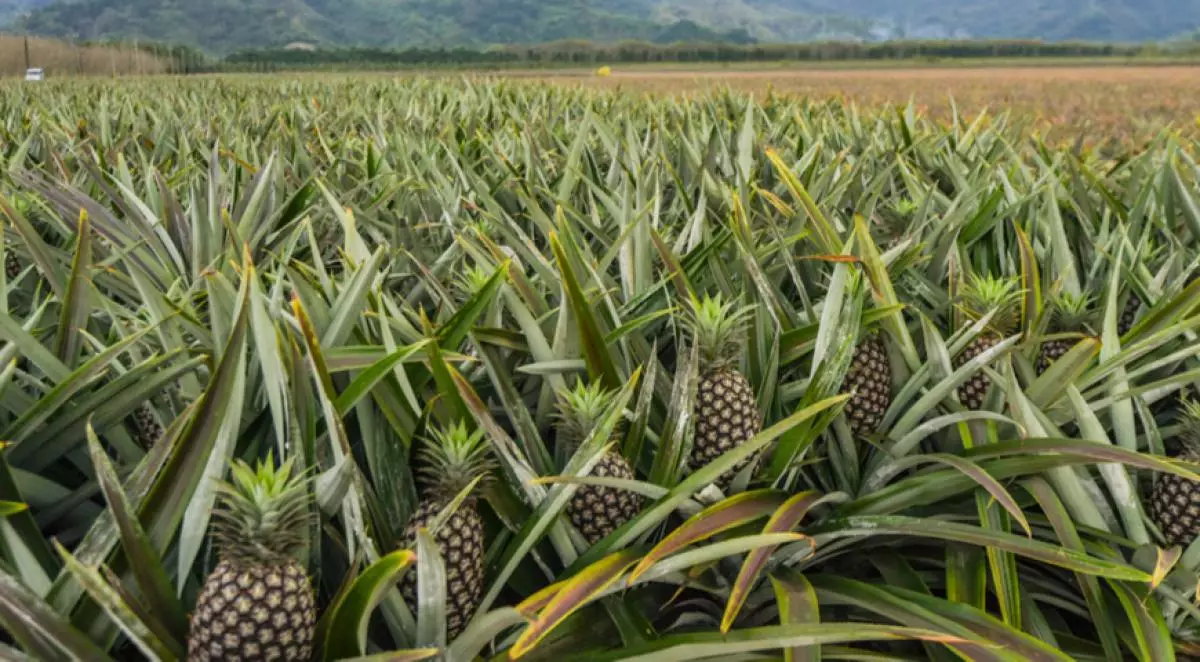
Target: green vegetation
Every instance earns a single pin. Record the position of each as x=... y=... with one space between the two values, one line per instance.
x=631 y=52
x=384 y=334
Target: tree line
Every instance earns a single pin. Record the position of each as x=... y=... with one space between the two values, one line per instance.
x=588 y=53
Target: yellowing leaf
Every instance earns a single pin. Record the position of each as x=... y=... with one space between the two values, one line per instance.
x=727 y=514
x=576 y=592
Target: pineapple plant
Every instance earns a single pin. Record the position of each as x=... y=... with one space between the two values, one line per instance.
x=982 y=295
x=258 y=603
x=1069 y=315
x=1174 y=500
x=870 y=380
x=452 y=458
x=726 y=410
x=595 y=510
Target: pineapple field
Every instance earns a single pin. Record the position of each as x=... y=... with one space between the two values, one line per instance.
x=361 y=368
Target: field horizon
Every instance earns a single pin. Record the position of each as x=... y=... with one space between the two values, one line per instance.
x=657 y=365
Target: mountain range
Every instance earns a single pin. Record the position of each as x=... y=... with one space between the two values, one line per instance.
x=220 y=26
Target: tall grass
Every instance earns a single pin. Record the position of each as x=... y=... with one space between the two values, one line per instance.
x=62 y=58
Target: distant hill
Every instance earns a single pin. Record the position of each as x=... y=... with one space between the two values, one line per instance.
x=1052 y=20
x=223 y=25
x=11 y=10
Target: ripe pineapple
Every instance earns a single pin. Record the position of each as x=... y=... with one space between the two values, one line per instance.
x=1069 y=315
x=726 y=411
x=1174 y=500
x=452 y=459
x=258 y=603
x=870 y=379
x=982 y=295
x=595 y=510
x=147 y=430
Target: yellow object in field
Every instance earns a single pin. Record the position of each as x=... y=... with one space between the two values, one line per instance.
x=604 y=71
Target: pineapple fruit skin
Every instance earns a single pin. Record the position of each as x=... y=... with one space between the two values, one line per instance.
x=1052 y=350
x=12 y=265
x=252 y=613
x=973 y=392
x=1128 y=314
x=598 y=510
x=726 y=417
x=870 y=379
x=147 y=429
x=460 y=543
x=1175 y=506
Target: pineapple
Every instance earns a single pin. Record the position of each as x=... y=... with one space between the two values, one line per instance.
x=147 y=429
x=595 y=510
x=452 y=459
x=870 y=380
x=12 y=264
x=1069 y=315
x=726 y=411
x=981 y=296
x=258 y=603
x=1129 y=314
x=1174 y=500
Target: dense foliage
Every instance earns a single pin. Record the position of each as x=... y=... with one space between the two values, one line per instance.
x=632 y=52
x=380 y=281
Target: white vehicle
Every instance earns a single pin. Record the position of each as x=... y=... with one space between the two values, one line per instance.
x=35 y=74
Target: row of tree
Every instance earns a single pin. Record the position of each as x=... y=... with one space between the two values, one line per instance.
x=583 y=52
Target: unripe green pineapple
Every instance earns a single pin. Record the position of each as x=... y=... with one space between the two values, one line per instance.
x=451 y=459
x=1069 y=315
x=596 y=510
x=870 y=380
x=726 y=410
x=981 y=296
x=258 y=603
x=1174 y=500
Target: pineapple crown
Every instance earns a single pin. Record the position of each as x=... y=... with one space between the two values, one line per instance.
x=472 y=280
x=580 y=411
x=984 y=294
x=453 y=457
x=906 y=206
x=717 y=328
x=1070 y=311
x=22 y=202
x=262 y=514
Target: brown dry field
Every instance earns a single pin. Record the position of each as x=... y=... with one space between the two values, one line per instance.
x=62 y=58
x=1103 y=103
